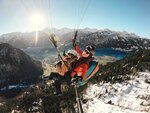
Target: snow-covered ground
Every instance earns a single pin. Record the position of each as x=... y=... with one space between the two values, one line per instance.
x=128 y=97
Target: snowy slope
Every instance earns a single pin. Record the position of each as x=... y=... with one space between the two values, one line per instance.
x=128 y=97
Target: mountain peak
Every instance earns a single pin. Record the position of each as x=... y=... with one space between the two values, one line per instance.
x=18 y=66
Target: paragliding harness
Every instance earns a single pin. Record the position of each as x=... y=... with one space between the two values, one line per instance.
x=54 y=42
x=75 y=81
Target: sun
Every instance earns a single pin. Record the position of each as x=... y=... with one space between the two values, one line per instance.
x=37 y=21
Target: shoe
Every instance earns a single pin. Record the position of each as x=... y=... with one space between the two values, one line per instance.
x=57 y=94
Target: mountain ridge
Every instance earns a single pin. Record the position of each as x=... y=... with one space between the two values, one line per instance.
x=17 y=67
x=100 y=38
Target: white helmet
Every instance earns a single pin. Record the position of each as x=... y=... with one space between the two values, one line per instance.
x=71 y=51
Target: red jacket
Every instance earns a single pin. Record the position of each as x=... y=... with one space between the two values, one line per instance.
x=82 y=68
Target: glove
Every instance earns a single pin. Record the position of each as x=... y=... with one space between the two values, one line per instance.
x=64 y=53
x=73 y=42
x=74 y=38
x=75 y=34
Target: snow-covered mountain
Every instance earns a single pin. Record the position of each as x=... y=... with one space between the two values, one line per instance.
x=117 y=40
x=28 y=39
x=25 y=40
x=100 y=38
x=17 y=67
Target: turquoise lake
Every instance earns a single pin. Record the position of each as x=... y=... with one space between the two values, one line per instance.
x=111 y=52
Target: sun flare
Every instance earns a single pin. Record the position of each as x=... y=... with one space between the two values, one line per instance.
x=37 y=21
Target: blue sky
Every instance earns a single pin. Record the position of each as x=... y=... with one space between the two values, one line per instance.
x=119 y=15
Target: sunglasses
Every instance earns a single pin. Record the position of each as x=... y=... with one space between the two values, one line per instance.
x=87 y=52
